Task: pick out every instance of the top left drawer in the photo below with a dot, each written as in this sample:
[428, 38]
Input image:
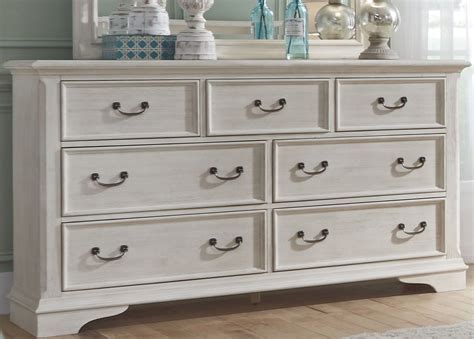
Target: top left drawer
[105, 110]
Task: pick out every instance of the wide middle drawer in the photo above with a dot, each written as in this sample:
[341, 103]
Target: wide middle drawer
[141, 251]
[97, 110]
[143, 178]
[268, 106]
[369, 166]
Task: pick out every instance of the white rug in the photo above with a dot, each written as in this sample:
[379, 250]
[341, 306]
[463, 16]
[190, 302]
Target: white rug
[461, 331]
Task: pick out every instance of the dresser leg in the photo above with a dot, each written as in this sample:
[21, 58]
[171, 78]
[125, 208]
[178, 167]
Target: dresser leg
[441, 282]
[59, 323]
[255, 298]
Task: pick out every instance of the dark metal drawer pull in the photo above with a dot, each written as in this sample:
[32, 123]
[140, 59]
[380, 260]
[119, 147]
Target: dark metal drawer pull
[421, 161]
[144, 105]
[123, 249]
[96, 177]
[239, 170]
[324, 165]
[282, 102]
[422, 227]
[324, 234]
[403, 100]
[238, 242]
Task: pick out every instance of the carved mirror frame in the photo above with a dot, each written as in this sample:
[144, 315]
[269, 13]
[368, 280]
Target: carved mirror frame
[87, 43]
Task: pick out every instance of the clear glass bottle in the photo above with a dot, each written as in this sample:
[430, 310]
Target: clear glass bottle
[296, 30]
[262, 21]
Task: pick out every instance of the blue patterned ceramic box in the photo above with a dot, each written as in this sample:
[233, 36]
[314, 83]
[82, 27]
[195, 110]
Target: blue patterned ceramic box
[139, 47]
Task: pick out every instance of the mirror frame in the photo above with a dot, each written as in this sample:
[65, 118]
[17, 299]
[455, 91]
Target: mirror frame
[88, 45]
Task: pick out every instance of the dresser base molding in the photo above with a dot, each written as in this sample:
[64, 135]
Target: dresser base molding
[69, 312]
[441, 282]
[59, 323]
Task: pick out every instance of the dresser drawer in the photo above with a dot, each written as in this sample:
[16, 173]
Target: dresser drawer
[268, 106]
[336, 168]
[163, 249]
[148, 178]
[96, 110]
[339, 235]
[359, 108]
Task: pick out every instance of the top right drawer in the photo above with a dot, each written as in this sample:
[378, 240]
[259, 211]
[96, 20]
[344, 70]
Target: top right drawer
[386, 104]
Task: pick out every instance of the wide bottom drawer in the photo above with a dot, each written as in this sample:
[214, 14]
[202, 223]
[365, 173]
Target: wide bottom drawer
[349, 234]
[131, 252]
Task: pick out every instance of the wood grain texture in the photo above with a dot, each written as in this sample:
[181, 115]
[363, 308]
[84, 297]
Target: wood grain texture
[173, 112]
[162, 177]
[357, 233]
[36, 178]
[440, 282]
[323, 312]
[358, 109]
[239, 68]
[358, 167]
[163, 249]
[52, 324]
[259, 137]
[232, 109]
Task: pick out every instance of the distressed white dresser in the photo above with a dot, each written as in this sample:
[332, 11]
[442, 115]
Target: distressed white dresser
[147, 182]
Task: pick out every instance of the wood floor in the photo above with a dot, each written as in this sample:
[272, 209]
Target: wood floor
[323, 312]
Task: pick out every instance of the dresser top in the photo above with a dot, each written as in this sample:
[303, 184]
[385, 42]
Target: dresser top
[257, 67]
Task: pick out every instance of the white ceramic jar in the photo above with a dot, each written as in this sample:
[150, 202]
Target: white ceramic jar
[119, 19]
[150, 17]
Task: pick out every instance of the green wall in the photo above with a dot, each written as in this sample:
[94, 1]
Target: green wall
[29, 29]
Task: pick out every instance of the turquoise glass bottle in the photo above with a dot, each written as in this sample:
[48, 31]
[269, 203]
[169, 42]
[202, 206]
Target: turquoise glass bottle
[296, 30]
[262, 21]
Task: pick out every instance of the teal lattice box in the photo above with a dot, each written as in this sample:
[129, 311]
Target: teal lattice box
[139, 47]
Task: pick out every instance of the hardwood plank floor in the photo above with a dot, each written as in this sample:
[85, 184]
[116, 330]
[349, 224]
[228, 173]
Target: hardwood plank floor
[321, 312]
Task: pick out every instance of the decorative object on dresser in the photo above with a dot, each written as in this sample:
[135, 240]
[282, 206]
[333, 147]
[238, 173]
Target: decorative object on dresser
[379, 19]
[234, 38]
[262, 21]
[336, 21]
[149, 17]
[119, 20]
[296, 30]
[195, 42]
[139, 47]
[268, 171]
[139, 31]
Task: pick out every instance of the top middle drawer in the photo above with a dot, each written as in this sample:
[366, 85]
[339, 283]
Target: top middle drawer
[268, 106]
[105, 110]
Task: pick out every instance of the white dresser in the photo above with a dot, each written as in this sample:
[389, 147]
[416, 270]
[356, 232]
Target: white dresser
[142, 182]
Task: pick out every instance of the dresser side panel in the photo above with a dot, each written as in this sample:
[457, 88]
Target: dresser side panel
[453, 171]
[26, 191]
[36, 183]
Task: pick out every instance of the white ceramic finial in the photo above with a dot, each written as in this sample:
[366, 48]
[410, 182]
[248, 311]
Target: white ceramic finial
[195, 42]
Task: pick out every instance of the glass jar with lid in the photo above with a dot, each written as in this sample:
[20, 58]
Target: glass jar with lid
[336, 21]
